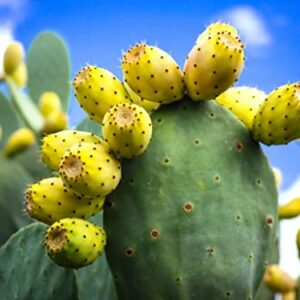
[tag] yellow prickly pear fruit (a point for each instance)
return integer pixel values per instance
(55, 145)
(20, 140)
(97, 90)
(278, 176)
(215, 28)
(277, 120)
(243, 102)
(20, 75)
(291, 295)
(149, 106)
(279, 281)
(290, 210)
(50, 200)
(298, 242)
(214, 63)
(153, 74)
(90, 169)
(13, 57)
(127, 129)
(56, 121)
(74, 243)
(49, 102)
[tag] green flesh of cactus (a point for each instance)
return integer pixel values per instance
(195, 217)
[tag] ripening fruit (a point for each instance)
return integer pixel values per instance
(18, 141)
(127, 129)
(149, 106)
(55, 121)
(277, 120)
(279, 281)
(20, 75)
(153, 74)
(49, 200)
(55, 145)
(49, 102)
(74, 243)
(13, 57)
(290, 209)
(214, 63)
(243, 102)
(97, 90)
(90, 169)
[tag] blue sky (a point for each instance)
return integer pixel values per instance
(97, 32)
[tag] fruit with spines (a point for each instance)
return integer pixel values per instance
(49, 102)
(90, 169)
(74, 243)
(279, 281)
(127, 129)
(49, 200)
(290, 209)
(55, 145)
(56, 121)
(18, 141)
(150, 106)
(13, 57)
(213, 64)
(277, 120)
(97, 90)
(243, 102)
(153, 74)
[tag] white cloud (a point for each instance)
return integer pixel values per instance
(250, 24)
(288, 230)
(6, 37)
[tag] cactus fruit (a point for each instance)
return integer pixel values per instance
(55, 145)
(97, 90)
(20, 75)
(153, 74)
(243, 102)
(127, 128)
(298, 243)
(18, 141)
(13, 57)
(49, 102)
(56, 121)
(277, 120)
(74, 243)
(150, 106)
(291, 295)
(213, 64)
(50, 200)
(90, 169)
(278, 176)
(290, 210)
(198, 229)
(279, 281)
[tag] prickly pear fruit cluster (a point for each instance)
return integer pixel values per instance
(74, 243)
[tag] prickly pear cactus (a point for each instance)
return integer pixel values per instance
(199, 208)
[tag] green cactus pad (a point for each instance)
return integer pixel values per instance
(27, 273)
(49, 68)
(199, 208)
(8, 119)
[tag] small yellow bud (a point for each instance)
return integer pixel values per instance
(56, 121)
(13, 57)
(49, 102)
(20, 75)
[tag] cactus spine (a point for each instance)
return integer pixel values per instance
(127, 129)
(74, 243)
